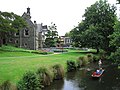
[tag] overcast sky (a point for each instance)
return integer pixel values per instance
(64, 13)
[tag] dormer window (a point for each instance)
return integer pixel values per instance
(26, 32)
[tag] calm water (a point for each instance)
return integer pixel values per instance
(82, 80)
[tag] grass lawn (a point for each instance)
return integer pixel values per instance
(15, 64)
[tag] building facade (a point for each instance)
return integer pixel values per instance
(31, 37)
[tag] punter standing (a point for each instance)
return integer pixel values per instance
(100, 63)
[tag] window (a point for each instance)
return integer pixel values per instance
(17, 33)
(10, 40)
(16, 41)
(25, 44)
(26, 32)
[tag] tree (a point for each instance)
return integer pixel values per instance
(115, 37)
(76, 34)
(103, 18)
(9, 22)
(98, 23)
(51, 36)
(118, 1)
(91, 38)
(67, 34)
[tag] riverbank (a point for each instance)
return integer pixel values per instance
(13, 68)
(82, 80)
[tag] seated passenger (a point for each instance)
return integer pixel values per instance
(98, 71)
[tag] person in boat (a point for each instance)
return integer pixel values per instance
(100, 63)
(97, 71)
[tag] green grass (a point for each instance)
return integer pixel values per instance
(14, 64)
(14, 54)
(12, 68)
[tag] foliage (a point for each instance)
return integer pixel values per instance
(10, 22)
(58, 71)
(85, 61)
(60, 50)
(115, 56)
(90, 57)
(115, 42)
(7, 86)
(51, 36)
(79, 61)
(40, 52)
(29, 82)
(115, 37)
(67, 34)
(96, 58)
(71, 65)
(44, 76)
(92, 32)
(118, 1)
(49, 42)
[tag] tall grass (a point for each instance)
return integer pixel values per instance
(58, 71)
(44, 76)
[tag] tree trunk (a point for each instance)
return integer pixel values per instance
(0, 42)
(97, 50)
(0, 39)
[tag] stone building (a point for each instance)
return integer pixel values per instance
(32, 36)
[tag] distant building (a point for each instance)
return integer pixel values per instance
(65, 41)
(31, 37)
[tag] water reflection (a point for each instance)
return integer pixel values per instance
(82, 80)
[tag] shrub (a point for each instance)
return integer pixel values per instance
(44, 76)
(40, 52)
(8, 86)
(5, 86)
(115, 56)
(79, 62)
(58, 71)
(102, 54)
(29, 82)
(60, 50)
(85, 61)
(96, 58)
(71, 65)
(90, 57)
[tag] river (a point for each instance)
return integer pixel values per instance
(82, 80)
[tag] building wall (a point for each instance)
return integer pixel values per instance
(34, 40)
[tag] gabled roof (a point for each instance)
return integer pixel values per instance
(28, 19)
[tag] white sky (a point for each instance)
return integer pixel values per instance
(64, 13)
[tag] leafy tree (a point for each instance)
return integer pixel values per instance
(115, 37)
(115, 56)
(76, 34)
(102, 16)
(97, 25)
(9, 22)
(118, 1)
(115, 42)
(67, 34)
(92, 38)
(52, 31)
(51, 36)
